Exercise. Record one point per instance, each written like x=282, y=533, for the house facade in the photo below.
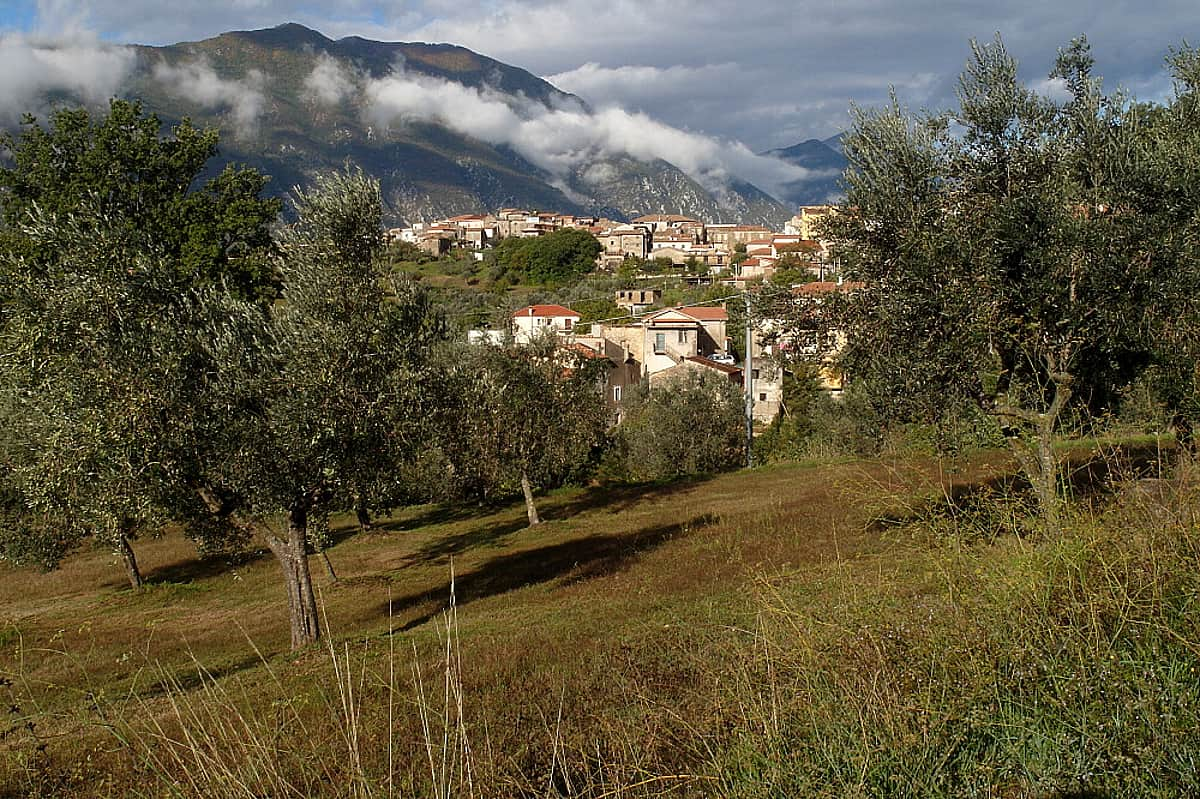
x=534, y=321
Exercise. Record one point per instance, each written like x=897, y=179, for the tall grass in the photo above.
x=212, y=738
x=1012, y=667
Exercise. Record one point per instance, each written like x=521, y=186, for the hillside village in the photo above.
x=726, y=253
x=653, y=344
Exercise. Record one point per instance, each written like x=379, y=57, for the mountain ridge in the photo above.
x=293, y=102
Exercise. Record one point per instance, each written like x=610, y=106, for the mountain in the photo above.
x=825, y=158
x=442, y=128
x=835, y=142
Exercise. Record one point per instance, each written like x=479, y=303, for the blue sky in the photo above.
x=768, y=73
x=17, y=14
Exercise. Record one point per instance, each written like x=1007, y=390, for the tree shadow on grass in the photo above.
x=188, y=678
x=618, y=497
x=202, y=568
x=1086, y=477
x=568, y=562
x=613, y=498
x=481, y=535
x=431, y=516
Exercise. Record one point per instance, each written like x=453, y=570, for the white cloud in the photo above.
x=79, y=65
x=768, y=73
x=1055, y=89
x=329, y=83
x=563, y=139
x=198, y=82
x=646, y=86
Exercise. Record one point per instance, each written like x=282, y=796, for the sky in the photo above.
x=769, y=73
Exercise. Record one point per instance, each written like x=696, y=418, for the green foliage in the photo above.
x=591, y=310
x=1014, y=253
x=972, y=242
x=535, y=410
x=99, y=369
x=805, y=410
x=399, y=252
x=120, y=168
x=689, y=424
x=553, y=259
x=326, y=393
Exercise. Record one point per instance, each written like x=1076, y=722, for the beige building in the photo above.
x=637, y=301
x=679, y=255
x=727, y=237
x=663, y=222
x=625, y=241
x=807, y=220
x=624, y=373
x=664, y=339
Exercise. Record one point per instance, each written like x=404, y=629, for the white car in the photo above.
x=722, y=357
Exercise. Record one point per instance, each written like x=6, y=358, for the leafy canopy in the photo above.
x=149, y=187
x=554, y=259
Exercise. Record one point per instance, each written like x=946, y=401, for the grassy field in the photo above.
x=822, y=630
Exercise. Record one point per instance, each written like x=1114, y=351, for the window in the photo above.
x=616, y=393
x=762, y=397
x=567, y=324
x=660, y=342
x=683, y=337
x=753, y=374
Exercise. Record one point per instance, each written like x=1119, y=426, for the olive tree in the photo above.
x=692, y=423
x=106, y=236
x=524, y=417
x=1002, y=260
x=97, y=370
x=324, y=394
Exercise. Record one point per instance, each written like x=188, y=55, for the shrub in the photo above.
x=691, y=424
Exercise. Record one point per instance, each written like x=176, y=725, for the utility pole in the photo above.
x=748, y=382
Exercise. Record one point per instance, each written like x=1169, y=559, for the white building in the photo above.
x=534, y=321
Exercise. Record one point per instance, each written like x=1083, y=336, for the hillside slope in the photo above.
x=822, y=631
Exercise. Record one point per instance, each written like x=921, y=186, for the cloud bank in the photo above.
x=564, y=139
x=198, y=82
x=329, y=83
x=32, y=67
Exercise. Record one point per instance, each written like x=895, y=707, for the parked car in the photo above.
x=722, y=357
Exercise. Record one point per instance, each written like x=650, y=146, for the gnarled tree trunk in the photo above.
x=292, y=555
x=530, y=508
x=1037, y=457
x=125, y=549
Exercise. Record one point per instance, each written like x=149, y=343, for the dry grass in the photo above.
x=625, y=648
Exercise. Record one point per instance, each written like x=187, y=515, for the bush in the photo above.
x=692, y=424
x=553, y=259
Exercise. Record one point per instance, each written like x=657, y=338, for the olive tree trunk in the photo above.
x=328, y=566
x=530, y=508
x=1036, y=455
x=363, y=514
x=292, y=555
x=125, y=549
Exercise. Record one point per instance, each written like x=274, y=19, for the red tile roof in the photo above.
x=664, y=218
x=585, y=351
x=705, y=313
x=545, y=310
